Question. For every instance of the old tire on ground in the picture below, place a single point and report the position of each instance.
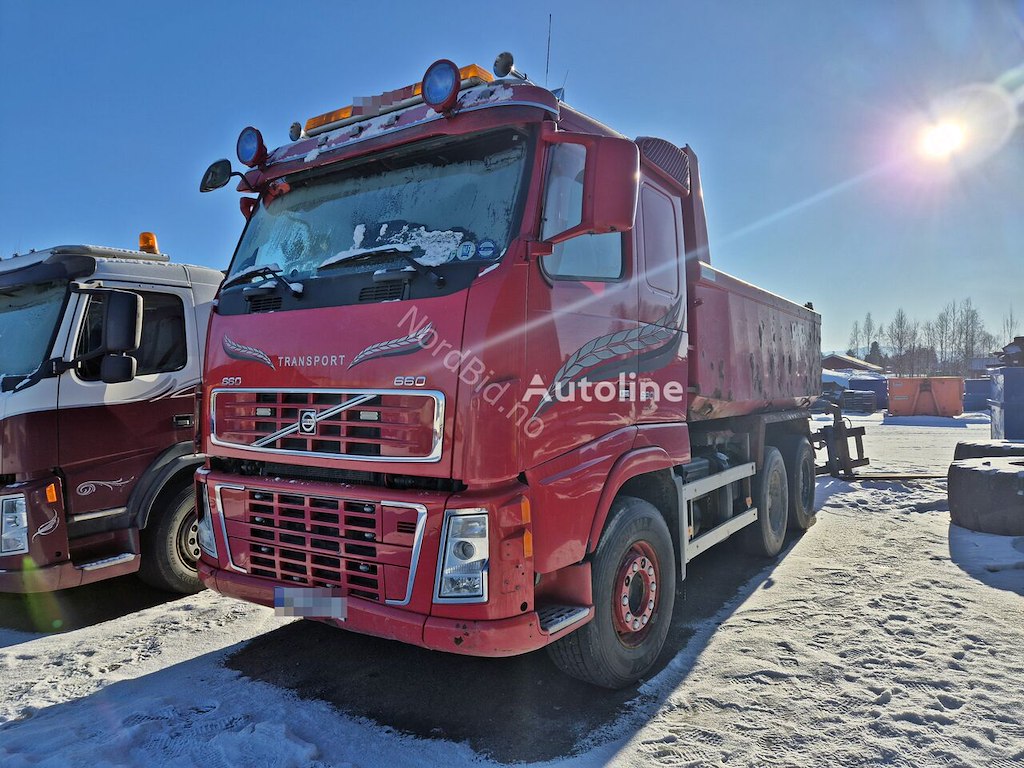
(634, 584)
(799, 459)
(767, 534)
(973, 449)
(170, 547)
(984, 494)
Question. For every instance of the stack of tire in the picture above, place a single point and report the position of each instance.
(986, 486)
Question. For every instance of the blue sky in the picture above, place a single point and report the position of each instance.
(799, 112)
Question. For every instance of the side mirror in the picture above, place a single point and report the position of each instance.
(216, 176)
(591, 185)
(116, 369)
(122, 321)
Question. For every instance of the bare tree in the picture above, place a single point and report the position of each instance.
(855, 339)
(901, 336)
(1011, 326)
(869, 331)
(944, 336)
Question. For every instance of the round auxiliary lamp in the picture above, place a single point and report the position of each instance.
(250, 147)
(441, 84)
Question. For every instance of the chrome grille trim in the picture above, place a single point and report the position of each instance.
(358, 397)
(417, 543)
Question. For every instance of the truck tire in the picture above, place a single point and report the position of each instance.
(799, 459)
(985, 494)
(767, 534)
(634, 587)
(170, 548)
(974, 449)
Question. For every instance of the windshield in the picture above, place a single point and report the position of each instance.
(455, 201)
(28, 315)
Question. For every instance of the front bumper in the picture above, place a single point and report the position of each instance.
(45, 579)
(498, 637)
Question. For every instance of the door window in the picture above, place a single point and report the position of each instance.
(162, 347)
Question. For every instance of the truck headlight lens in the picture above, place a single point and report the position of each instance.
(462, 576)
(207, 541)
(13, 526)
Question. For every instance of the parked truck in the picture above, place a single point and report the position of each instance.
(100, 363)
(473, 384)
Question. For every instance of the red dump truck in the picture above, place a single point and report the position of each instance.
(473, 384)
(100, 358)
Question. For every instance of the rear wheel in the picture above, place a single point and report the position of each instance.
(799, 459)
(766, 535)
(634, 585)
(170, 546)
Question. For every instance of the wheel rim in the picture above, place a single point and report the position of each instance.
(188, 540)
(777, 511)
(807, 479)
(635, 598)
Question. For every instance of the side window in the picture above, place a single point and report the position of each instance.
(584, 257)
(162, 347)
(661, 241)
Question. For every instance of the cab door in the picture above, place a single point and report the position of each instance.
(109, 434)
(658, 237)
(581, 323)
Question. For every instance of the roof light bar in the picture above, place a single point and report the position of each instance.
(390, 101)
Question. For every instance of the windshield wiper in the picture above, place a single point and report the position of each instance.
(272, 271)
(376, 253)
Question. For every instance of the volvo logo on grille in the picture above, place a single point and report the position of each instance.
(307, 422)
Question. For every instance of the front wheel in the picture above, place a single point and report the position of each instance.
(170, 545)
(634, 587)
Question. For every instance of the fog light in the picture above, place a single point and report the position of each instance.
(13, 526)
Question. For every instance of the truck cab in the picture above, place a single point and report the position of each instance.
(100, 366)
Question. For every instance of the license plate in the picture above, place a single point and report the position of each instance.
(310, 603)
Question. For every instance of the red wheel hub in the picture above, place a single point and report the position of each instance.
(636, 595)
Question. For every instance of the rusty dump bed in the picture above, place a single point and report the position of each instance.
(750, 350)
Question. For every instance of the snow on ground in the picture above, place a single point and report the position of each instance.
(883, 636)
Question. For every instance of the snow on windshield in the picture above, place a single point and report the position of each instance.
(454, 202)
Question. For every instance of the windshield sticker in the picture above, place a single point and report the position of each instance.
(467, 250)
(487, 249)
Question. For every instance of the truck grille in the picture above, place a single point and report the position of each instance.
(366, 549)
(365, 425)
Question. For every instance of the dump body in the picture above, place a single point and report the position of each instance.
(752, 351)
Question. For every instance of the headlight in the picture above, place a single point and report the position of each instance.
(462, 572)
(13, 526)
(207, 541)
